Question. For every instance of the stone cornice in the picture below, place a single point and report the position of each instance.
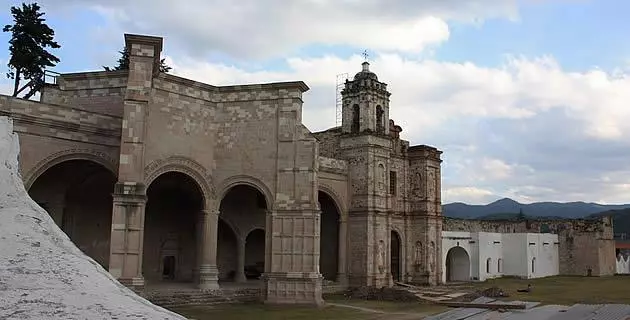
(236, 88)
(22, 119)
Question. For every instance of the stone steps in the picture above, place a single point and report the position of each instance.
(176, 298)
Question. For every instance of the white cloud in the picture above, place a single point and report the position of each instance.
(262, 28)
(527, 127)
(468, 195)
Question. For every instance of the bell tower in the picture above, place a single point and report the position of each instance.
(366, 145)
(365, 104)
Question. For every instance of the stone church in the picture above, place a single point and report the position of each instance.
(162, 179)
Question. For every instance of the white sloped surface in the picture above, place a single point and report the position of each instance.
(43, 275)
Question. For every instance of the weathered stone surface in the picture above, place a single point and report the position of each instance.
(144, 126)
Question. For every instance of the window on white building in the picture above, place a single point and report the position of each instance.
(488, 263)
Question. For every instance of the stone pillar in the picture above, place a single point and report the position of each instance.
(208, 271)
(239, 276)
(125, 262)
(342, 272)
(127, 235)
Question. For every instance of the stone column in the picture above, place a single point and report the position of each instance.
(342, 272)
(127, 235)
(239, 276)
(208, 272)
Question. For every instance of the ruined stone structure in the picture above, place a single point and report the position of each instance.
(164, 179)
(585, 247)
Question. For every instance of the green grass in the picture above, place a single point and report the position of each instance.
(565, 290)
(391, 311)
(267, 312)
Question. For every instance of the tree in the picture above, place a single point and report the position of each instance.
(30, 36)
(123, 63)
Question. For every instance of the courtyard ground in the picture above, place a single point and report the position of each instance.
(335, 310)
(564, 290)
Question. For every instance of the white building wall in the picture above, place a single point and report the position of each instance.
(623, 264)
(543, 247)
(515, 254)
(490, 250)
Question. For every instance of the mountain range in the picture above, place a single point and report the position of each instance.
(508, 208)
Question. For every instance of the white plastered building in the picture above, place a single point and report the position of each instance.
(478, 256)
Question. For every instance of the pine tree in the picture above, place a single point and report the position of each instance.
(30, 36)
(123, 63)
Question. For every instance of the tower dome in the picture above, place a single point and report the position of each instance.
(365, 73)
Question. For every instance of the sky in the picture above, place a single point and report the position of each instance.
(528, 99)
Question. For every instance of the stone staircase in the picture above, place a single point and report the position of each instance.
(195, 297)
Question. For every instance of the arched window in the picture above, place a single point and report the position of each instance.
(488, 263)
(379, 120)
(533, 265)
(499, 265)
(356, 118)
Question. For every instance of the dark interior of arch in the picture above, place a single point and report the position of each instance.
(174, 201)
(395, 258)
(245, 208)
(77, 194)
(226, 251)
(255, 254)
(329, 242)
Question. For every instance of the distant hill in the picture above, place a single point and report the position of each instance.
(507, 207)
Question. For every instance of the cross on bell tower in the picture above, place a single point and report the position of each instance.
(365, 55)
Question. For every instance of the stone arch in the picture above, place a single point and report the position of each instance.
(76, 193)
(187, 166)
(56, 158)
(356, 119)
(172, 237)
(253, 182)
(457, 264)
(330, 191)
(330, 231)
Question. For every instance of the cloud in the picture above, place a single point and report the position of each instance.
(265, 28)
(526, 129)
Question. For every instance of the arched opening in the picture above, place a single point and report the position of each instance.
(78, 196)
(457, 265)
(488, 263)
(255, 254)
(379, 120)
(499, 265)
(395, 257)
(356, 118)
(533, 265)
(329, 237)
(174, 203)
(244, 207)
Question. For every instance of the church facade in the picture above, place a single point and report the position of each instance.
(163, 179)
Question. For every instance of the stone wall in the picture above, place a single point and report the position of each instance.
(329, 142)
(53, 133)
(586, 246)
(102, 92)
